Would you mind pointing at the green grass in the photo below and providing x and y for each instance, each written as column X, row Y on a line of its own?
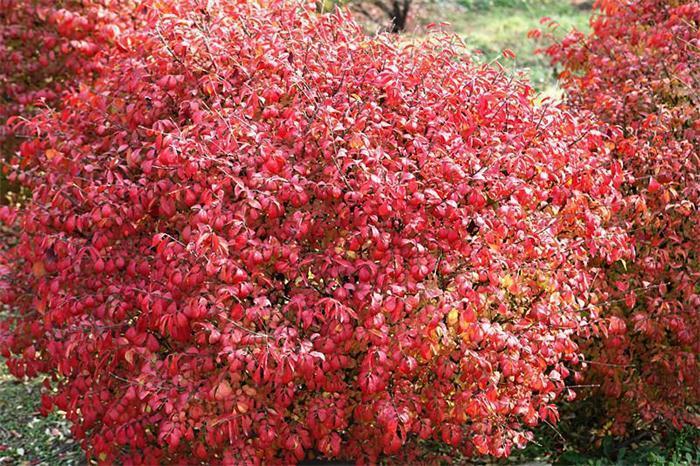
column 494, row 25
column 26, row 437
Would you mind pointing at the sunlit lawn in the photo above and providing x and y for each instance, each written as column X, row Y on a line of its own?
column 494, row 25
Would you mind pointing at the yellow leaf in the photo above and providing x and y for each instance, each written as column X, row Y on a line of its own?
column 129, row 356
column 242, row 407
column 507, row 281
column 452, row 317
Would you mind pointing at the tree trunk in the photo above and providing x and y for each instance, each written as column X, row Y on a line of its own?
column 399, row 15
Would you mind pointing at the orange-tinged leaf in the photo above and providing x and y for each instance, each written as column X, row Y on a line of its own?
column 38, row 269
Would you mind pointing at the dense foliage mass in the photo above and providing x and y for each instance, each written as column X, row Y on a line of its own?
column 262, row 236
column 639, row 71
column 46, row 44
column 45, row 47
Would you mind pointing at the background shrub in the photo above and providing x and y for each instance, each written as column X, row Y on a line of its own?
column 639, row 71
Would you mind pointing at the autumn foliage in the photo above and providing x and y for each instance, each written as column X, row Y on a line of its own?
column 639, row 71
column 47, row 46
column 262, row 237
column 254, row 235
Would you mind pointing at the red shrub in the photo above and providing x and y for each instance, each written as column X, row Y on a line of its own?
column 640, row 71
column 262, row 236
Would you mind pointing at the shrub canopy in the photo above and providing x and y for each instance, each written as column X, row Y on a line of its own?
column 259, row 236
column 639, row 71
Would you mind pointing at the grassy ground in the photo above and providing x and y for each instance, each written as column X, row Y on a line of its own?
column 26, row 437
column 494, row 25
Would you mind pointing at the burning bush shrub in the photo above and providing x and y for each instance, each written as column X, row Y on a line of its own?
column 262, row 237
column 639, row 71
